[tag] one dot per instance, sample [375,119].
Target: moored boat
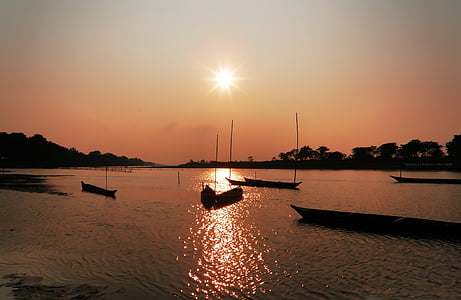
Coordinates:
[265,183]
[376,222]
[97,190]
[269,183]
[212,200]
[426,180]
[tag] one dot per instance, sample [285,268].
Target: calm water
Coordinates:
[155,240]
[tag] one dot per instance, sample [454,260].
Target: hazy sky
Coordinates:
[135,77]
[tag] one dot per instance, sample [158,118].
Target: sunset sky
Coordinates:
[137,78]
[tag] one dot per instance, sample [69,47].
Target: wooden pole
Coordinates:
[230,150]
[297,146]
[217,141]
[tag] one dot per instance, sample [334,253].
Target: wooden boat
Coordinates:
[265,183]
[97,190]
[375,222]
[269,183]
[211,200]
[427,180]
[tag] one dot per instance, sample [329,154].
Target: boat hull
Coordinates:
[97,190]
[427,180]
[381,223]
[211,200]
[265,183]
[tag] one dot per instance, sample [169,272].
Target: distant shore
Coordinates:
[328,165]
[346,164]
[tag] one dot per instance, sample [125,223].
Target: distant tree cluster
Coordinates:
[413,150]
[17,150]
[307,153]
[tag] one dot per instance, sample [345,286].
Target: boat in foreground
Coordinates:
[97,190]
[426,180]
[212,200]
[265,183]
[375,222]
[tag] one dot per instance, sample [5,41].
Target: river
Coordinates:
[155,239]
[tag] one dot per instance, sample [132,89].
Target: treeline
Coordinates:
[414,154]
[19,151]
[415,150]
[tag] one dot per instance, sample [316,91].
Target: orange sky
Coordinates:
[135,77]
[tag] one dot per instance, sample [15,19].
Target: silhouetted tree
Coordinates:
[387,151]
[363,153]
[284,156]
[431,150]
[417,149]
[313,154]
[410,150]
[454,147]
[323,151]
[36,151]
[336,155]
[290,155]
[454,150]
[304,152]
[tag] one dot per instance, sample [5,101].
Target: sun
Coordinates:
[224,79]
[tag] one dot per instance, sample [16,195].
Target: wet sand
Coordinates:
[156,241]
[28,183]
[23,286]
[29,287]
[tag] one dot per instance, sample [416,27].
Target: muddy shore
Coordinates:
[28,183]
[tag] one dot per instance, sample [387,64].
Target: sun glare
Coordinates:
[224,79]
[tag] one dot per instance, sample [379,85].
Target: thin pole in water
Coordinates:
[230,150]
[216,162]
[179,180]
[297,146]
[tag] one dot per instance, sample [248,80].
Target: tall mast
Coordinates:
[230,150]
[217,140]
[297,146]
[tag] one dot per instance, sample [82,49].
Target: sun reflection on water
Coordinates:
[216,179]
[229,254]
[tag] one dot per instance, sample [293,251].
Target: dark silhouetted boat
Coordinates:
[97,190]
[265,183]
[381,223]
[269,183]
[212,200]
[427,180]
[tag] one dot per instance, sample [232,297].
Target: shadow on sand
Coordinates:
[29,183]
[23,286]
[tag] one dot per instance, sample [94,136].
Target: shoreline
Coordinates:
[28,183]
[326,165]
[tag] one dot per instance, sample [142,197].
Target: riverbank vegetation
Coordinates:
[415,154]
[19,151]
